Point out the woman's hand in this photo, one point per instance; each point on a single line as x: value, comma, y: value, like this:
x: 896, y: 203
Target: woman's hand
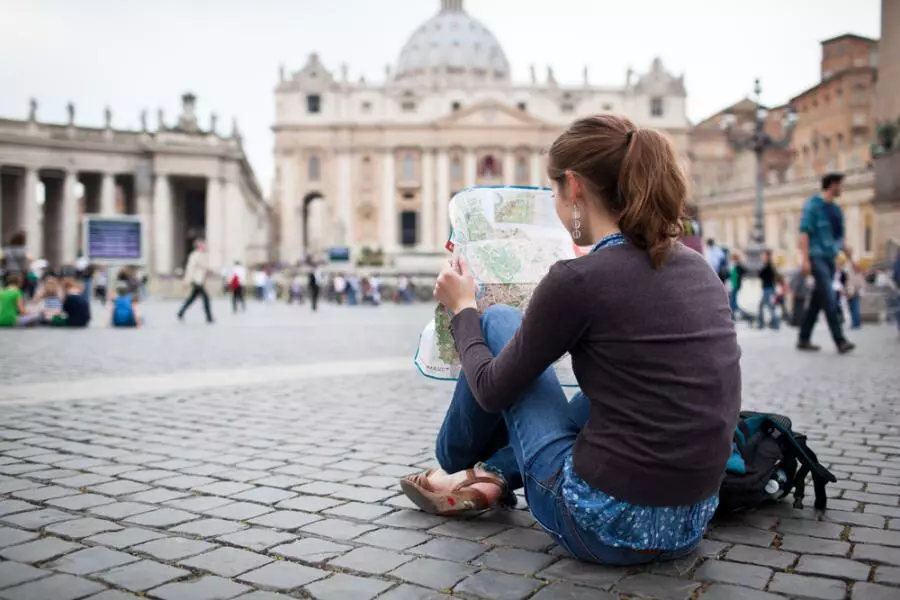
x: 455, y: 287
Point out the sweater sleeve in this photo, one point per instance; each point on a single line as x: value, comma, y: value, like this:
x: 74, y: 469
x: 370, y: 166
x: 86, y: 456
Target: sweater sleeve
x: 554, y: 322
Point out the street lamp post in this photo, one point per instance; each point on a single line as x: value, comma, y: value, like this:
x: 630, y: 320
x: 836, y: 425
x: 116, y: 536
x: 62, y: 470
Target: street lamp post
x: 758, y: 142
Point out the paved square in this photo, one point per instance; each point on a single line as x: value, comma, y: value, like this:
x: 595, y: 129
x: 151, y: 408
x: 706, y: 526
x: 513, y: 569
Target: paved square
x: 261, y: 456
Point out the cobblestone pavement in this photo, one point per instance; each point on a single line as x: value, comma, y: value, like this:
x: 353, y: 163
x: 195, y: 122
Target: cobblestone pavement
x: 288, y: 489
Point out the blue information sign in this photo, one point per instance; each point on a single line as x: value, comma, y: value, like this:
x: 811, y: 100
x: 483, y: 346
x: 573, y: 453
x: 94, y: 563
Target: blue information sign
x: 113, y: 240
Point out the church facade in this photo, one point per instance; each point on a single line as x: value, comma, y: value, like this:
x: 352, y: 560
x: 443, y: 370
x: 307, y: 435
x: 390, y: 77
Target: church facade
x: 373, y: 165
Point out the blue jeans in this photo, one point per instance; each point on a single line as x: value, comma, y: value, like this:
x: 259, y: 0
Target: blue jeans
x: 733, y: 301
x: 527, y: 444
x: 855, y: 314
x: 822, y: 298
x: 768, y: 302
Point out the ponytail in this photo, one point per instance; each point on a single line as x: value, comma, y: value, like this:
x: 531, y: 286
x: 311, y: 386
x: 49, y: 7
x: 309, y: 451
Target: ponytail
x: 652, y: 188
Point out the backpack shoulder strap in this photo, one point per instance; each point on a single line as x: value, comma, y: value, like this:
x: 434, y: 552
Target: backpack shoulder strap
x: 809, y: 464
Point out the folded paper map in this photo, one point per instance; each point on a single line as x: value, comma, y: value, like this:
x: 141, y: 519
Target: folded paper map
x: 510, y: 236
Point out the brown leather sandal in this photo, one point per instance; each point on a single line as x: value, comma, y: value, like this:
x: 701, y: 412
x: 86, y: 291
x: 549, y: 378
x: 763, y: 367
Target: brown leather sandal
x: 461, y: 499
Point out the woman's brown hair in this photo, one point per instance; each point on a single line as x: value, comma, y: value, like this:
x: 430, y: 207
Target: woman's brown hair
x: 18, y: 238
x: 634, y: 172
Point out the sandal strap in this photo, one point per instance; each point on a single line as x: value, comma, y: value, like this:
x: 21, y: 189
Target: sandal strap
x: 472, y: 479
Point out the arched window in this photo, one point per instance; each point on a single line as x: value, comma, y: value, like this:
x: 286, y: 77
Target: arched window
x: 522, y: 169
x: 489, y: 167
x: 409, y: 167
x: 314, y: 168
x: 456, y: 169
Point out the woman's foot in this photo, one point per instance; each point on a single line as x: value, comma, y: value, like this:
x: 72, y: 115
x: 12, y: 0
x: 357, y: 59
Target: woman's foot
x: 441, y: 493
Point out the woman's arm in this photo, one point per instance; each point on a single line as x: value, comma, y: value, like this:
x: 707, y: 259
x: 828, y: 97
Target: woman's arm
x: 20, y: 304
x: 137, y: 315
x: 554, y: 322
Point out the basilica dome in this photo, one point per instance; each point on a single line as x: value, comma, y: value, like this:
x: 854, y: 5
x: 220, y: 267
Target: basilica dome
x: 452, y: 43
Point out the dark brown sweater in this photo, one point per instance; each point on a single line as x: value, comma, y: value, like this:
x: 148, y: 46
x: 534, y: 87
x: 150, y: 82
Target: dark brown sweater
x: 656, y: 352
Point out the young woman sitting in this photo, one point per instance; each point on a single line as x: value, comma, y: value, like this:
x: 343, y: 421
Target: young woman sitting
x: 628, y: 472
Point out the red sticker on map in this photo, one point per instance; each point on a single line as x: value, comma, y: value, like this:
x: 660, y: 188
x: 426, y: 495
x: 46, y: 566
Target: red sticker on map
x: 449, y: 246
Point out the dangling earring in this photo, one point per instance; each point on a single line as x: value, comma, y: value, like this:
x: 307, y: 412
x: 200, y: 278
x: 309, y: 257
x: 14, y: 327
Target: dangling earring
x: 576, y: 222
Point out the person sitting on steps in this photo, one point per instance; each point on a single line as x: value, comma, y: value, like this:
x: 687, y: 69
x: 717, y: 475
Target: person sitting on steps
x: 628, y: 472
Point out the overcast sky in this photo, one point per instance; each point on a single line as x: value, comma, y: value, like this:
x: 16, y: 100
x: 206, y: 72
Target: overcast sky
x: 137, y: 54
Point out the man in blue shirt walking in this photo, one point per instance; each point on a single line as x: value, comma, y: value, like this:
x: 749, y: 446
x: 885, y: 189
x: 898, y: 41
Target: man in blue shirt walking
x: 821, y: 240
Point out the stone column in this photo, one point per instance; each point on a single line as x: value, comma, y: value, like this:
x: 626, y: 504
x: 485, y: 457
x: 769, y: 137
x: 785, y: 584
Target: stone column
x: 389, y: 241
x: 70, y: 222
x: 215, y: 221
x: 471, y: 168
x: 509, y: 167
x: 443, y: 198
x: 33, y: 213
x: 346, y: 209
x: 237, y: 221
x: 537, y: 178
x: 427, y: 243
x: 291, y: 212
x: 853, y: 229
x: 163, y: 234
x: 108, y: 195
x: 143, y: 190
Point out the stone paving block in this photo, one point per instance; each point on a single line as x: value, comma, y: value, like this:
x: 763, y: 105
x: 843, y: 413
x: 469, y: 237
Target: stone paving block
x: 282, y: 575
x: 209, y: 587
x: 173, y: 464
x: 887, y: 575
x: 156, y: 496
x: 341, y: 586
x: 198, y: 503
x: 875, y: 536
x: 519, y: 537
x: 574, y: 571
x: 807, y: 545
x: 738, y: 574
x: 21, y: 468
x: 14, y: 573
x: 310, y: 550
x: 265, y: 596
x: 257, y: 538
x: 280, y: 481
x: 238, y: 511
x: 827, y: 566
x: 10, y: 536
x: 10, y: 507
x: 877, y: 554
x: 242, y: 475
x: 374, y: 481
x: 432, y: 573
x: 162, y: 517
x: 411, y: 519
x: 370, y: 560
x: 657, y: 587
x: 55, y: 587
x: 204, y: 469
x: 818, y: 529
x: 450, y: 549
x: 226, y: 562
x: 120, y: 510
x: 42, y: 494
x: 142, y: 575
x: 515, y: 560
x: 871, y: 591
x: 82, y: 480
x: 337, y: 529
x: 799, y: 586
x: 469, y: 530
x: 223, y: 488
x: 148, y: 475
x: 184, y: 482
x: 309, y: 504
x: 761, y: 556
x: 332, y: 476
x: 406, y: 591
x: 499, y: 586
x: 285, y: 519
x: 82, y: 528
x: 207, y: 528
x: 721, y: 591
x: 743, y: 535
x: 90, y: 560
x: 173, y: 548
x: 39, y: 550
x: 80, y: 501
x: 264, y: 495
x: 395, y: 539
x: 36, y: 519
x: 14, y: 485
x: 114, y: 595
x: 679, y: 567
x: 81, y: 463
x: 119, y: 487
x: 112, y: 470
x: 130, y: 536
x: 359, y: 511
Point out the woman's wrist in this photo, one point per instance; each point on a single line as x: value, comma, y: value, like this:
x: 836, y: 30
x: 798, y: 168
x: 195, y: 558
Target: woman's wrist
x: 463, y: 306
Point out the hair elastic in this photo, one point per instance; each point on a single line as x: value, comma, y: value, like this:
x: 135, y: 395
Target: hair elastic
x: 628, y: 137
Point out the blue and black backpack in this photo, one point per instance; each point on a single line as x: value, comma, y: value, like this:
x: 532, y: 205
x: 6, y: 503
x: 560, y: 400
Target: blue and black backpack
x: 768, y: 462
